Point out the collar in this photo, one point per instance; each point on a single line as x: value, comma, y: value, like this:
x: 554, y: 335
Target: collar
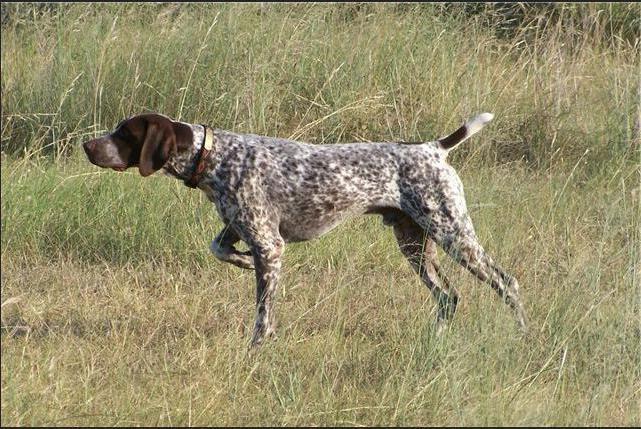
x: 199, y: 164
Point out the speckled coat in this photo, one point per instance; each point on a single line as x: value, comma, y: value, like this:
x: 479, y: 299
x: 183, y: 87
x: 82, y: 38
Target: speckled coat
x: 270, y: 191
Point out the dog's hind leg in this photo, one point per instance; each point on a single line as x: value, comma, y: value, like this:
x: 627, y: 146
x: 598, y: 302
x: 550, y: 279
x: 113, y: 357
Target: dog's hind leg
x: 463, y: 246
x: 421, y: 254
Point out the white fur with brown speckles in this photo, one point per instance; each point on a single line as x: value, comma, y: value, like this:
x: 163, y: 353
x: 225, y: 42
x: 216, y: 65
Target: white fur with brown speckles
x: 270, y: 191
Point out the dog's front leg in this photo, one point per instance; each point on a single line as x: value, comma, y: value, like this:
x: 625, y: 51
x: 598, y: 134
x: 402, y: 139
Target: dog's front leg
x: 267, y: 257
x: 223, y: 248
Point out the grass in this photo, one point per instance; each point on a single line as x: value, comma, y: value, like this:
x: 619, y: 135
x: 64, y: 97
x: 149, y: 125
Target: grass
x: 318, y: 73
x: 115, y: 313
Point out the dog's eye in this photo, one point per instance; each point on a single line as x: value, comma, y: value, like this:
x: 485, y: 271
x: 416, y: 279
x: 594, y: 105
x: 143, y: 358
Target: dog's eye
x: 122, y: 133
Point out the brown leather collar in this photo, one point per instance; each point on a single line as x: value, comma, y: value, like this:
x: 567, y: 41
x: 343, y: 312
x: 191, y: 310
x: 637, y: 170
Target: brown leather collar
x: 205, y: 149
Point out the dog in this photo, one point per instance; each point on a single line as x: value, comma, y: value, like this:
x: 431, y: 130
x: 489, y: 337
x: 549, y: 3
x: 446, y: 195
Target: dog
x: 271, y: 191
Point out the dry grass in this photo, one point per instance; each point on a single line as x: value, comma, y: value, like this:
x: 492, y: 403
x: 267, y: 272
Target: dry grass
x: 157, y: 332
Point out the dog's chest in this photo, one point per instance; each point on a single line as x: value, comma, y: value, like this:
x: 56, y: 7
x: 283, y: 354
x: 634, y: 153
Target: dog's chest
x: 226, y: 204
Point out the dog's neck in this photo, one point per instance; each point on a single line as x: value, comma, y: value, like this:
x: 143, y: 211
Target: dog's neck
x: 199, y: 136
x: 182, y: 164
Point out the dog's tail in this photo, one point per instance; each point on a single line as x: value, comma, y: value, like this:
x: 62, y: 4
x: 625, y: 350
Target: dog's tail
x: 466, y: 131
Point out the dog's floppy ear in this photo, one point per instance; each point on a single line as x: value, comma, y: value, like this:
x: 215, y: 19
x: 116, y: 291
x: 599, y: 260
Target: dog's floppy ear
x: 160, y: 143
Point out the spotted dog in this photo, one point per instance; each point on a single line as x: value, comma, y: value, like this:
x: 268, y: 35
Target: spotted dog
x: 271, y: 191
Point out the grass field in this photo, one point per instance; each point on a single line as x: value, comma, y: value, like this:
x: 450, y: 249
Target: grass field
x: 115, y: 313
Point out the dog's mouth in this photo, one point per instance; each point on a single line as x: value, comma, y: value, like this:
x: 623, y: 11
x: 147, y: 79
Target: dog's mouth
x: 105, y: 153
x: 116, y: 166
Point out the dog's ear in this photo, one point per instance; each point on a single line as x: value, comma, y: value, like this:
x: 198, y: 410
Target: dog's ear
x: 184, y: 136
x: 159, y: 144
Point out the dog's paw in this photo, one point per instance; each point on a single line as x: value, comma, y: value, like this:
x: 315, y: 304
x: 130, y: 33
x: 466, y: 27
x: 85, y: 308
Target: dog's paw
x: 242, y: 261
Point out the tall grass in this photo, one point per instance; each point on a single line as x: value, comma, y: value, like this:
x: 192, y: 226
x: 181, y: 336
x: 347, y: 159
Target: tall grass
x: 115, y: 313
x: 320, y: 73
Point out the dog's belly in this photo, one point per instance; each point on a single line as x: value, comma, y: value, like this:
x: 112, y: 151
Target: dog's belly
x: 311, y: 209
x: 304, y: 228
x: 311, y: 220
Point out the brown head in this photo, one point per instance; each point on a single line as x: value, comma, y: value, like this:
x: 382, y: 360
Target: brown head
x: 147, y: 141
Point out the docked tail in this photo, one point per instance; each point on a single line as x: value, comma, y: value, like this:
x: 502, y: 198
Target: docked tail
x: 467, y: 130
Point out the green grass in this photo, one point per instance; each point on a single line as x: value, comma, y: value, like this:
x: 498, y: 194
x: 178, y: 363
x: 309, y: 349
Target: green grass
x: 132, y: 323
x: 115, y: 313
x: 320, y: 73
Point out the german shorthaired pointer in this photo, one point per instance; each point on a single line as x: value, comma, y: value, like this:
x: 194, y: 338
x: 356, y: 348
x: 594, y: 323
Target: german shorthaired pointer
x: 270, y: 191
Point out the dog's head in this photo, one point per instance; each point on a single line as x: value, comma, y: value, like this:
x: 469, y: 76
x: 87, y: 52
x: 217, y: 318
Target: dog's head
x: 147, y: 141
